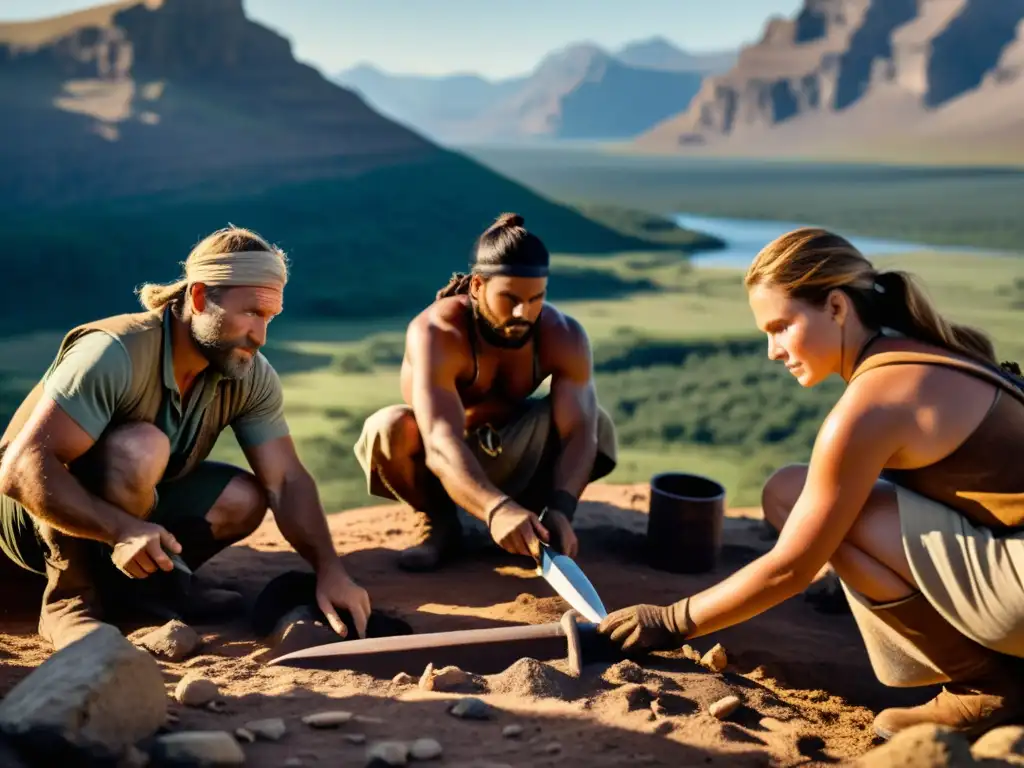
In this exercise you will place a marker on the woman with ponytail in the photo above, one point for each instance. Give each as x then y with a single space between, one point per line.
914 492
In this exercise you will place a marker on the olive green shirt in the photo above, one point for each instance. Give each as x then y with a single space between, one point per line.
95 373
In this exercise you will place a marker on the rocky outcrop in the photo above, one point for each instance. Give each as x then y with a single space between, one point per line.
659 53
815 79
111 88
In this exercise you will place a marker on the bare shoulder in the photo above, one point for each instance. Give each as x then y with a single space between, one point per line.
439 329
914 385
564 344
561 331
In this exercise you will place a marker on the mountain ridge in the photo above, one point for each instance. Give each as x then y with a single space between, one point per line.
862 79
581 91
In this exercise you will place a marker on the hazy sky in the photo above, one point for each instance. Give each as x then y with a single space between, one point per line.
493 37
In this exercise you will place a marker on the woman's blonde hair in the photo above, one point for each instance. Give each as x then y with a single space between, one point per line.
807 264
230 239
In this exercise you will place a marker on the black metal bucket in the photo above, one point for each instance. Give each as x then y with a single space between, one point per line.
684 524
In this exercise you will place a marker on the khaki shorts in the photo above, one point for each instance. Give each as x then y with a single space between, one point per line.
972 576
515 457
192 495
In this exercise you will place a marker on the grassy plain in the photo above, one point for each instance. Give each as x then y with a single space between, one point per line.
679 363
680 367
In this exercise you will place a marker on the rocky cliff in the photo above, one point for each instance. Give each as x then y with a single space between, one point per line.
845 73
148 96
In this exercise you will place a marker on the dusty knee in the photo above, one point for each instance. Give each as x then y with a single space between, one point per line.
134 457
239 509
780 493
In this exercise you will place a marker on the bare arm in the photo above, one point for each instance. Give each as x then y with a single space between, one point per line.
34 473
441 419
294 500
852 448
574 410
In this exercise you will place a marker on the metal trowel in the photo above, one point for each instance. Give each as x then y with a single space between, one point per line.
569 581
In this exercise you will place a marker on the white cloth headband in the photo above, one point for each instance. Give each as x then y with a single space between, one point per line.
261 268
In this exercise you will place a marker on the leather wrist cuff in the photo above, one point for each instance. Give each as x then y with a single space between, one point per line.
564 502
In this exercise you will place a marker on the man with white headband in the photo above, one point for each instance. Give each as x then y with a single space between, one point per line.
472 431
104 473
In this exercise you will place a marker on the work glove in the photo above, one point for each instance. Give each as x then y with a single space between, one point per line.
648 627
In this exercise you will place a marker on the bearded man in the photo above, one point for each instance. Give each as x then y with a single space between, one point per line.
104 473
471 433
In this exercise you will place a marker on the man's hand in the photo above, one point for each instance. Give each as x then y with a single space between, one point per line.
563 537
336 589
517 530
139 549
648 627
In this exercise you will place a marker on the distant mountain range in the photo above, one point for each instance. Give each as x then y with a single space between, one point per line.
580 92
867 79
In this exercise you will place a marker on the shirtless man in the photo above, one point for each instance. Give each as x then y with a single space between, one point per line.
105 489
469 433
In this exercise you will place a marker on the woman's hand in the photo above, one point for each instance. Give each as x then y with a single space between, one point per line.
648 627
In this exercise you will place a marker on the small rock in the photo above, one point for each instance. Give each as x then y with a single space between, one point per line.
299 629
1003 743
368 720
354 738
331 719
175 640
724 707
471 709
425 749
243 734
198 748
293 762
195 691
403 678
553 747
691 653
427 678
716 660
271 729
99 690
450 678
217 705
387 753
512 731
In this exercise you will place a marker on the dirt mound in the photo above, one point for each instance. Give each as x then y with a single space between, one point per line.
531 679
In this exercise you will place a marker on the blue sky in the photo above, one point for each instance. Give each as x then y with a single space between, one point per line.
495 38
